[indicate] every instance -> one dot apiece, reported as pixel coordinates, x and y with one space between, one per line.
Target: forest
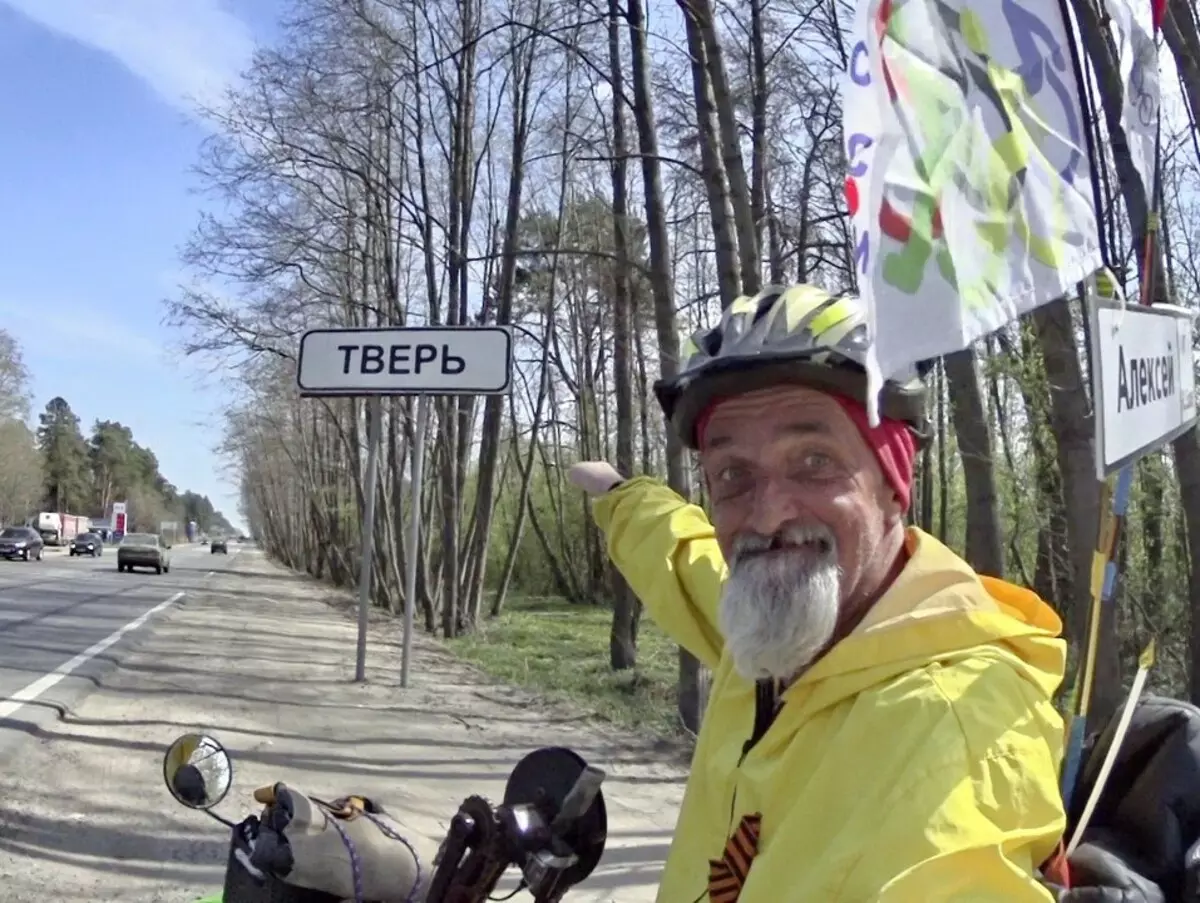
604 177
55 467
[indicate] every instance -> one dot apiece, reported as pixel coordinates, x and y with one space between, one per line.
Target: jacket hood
938 609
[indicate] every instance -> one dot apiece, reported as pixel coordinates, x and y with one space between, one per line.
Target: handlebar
551 825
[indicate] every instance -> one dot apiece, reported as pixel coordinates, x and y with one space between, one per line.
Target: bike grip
580 797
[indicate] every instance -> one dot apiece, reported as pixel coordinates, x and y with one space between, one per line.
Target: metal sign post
387 361
413 550
374 416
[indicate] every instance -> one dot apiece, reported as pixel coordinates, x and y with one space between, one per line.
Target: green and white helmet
799 335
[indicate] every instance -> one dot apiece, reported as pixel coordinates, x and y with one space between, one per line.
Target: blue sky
98 139
99 133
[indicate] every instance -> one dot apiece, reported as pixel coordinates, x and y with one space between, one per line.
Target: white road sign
1144 380
452 360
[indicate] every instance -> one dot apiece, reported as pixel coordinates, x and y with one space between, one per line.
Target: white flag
969 180
1138 59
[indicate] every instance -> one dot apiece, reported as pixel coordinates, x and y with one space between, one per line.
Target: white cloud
187 50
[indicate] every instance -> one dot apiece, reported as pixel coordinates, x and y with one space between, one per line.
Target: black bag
1142 844
243 886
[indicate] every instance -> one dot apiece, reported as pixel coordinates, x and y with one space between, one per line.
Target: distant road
64 620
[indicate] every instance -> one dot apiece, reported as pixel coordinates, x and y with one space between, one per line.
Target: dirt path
260 661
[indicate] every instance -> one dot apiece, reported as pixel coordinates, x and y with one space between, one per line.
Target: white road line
17 701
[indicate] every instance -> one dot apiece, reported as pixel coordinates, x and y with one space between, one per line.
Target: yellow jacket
917 762
180 754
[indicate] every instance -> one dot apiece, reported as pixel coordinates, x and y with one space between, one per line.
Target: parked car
144 550
21 542
218 545
89 544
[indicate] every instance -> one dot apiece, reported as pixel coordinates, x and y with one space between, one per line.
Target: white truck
59 529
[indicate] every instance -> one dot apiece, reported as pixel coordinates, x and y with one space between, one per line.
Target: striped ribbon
727 875
1114 502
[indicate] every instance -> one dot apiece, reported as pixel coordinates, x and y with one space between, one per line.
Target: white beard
779 611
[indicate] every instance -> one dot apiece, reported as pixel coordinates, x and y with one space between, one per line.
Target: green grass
561 651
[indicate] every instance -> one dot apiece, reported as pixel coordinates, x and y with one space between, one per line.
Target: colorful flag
1138 60
970 184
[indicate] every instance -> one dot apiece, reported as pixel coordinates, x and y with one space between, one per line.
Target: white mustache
794 535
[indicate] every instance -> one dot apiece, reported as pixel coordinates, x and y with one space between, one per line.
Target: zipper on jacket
766 707
767 695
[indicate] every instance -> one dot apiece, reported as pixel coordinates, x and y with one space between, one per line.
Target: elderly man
880 726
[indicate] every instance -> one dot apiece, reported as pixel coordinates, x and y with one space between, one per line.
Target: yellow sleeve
974 828
666 550
967 848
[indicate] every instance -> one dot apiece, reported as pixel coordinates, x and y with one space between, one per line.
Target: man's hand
1101 874
594 477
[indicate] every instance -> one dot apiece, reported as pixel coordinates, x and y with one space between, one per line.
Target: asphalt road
63 621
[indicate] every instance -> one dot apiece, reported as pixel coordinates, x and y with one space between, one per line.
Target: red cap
894 446
891 442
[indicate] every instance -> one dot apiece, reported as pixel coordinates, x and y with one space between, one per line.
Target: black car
21 542
87 544
218 545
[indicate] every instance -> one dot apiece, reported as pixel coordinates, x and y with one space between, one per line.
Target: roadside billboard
119 518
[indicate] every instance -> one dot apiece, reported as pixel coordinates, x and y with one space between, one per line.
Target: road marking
17 701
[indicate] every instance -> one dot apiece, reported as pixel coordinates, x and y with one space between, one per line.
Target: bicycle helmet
799 335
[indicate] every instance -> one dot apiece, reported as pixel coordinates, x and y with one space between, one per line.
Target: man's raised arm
665 549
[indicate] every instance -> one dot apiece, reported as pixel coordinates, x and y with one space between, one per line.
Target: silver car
144 550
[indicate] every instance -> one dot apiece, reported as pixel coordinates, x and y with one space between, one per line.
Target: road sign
1144 379
417 360
118 518
459 360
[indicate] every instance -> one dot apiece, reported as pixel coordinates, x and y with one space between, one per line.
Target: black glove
1191 874
1102 873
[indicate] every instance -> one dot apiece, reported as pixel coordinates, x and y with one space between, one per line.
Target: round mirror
197 771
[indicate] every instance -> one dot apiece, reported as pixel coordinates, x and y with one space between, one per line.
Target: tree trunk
626 608
1072 425
984 545
691 690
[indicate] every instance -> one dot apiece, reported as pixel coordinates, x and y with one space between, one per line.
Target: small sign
1144 379
118 518
419 360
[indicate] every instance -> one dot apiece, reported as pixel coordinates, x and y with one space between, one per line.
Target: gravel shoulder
263 659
